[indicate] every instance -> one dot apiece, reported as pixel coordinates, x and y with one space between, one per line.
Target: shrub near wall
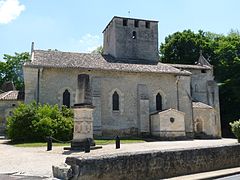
30 122
235 127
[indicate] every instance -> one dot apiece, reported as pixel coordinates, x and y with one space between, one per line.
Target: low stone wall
155 164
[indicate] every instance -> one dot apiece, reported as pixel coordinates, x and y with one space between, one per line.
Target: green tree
11 69
184 47
224 52
98 50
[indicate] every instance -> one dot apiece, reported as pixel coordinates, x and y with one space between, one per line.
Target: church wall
30 82
207 117
126 85
185 102
53 83
199 84
6 107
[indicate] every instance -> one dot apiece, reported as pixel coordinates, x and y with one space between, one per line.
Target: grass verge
97 141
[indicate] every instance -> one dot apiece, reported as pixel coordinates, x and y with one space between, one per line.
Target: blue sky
76 25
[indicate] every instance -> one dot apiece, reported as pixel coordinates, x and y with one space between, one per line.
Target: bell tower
131 40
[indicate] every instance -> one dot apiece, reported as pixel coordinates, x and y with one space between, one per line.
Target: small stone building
8 101
168 124
128 85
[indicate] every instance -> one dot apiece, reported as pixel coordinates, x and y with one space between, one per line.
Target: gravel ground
38 162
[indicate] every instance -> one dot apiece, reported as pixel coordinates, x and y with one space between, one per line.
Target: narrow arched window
158 102
66 98
115 101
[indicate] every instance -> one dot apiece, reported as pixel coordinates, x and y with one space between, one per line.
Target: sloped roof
201 105
188 66
167 110
202 63
202 60
58 59
12 95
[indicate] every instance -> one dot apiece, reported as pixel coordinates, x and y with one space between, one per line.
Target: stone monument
83 114
83 126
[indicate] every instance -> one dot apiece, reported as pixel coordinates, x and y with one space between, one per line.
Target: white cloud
86 43
10 10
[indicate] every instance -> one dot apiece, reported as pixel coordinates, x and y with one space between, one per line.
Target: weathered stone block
62 171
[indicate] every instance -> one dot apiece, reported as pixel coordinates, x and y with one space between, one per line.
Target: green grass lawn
97 141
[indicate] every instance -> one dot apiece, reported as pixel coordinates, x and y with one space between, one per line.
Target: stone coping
121 154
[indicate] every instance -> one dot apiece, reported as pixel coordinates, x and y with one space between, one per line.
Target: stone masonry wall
5 108
155 164
53 83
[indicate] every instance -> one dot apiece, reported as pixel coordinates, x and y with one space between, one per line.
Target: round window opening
172 120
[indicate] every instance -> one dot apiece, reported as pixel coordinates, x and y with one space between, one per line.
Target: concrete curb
209 175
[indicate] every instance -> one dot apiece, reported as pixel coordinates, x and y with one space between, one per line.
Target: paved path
38 161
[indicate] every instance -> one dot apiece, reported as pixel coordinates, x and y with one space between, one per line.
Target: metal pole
117 142
38 86
87 146
49 143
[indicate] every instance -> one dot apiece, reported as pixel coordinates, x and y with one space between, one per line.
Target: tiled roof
201 105
58 59
188 66
202 63
12 95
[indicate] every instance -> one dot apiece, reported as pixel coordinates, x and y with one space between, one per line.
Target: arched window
158 102
115 101
134 35
66 98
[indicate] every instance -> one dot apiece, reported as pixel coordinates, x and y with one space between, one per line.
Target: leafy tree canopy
98 50
11 69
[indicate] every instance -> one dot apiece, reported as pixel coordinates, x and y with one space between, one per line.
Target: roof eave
99 69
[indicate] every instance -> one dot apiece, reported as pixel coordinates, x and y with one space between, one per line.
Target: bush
33 123
235 127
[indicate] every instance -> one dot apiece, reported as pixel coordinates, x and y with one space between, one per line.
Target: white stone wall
30 82
199 84
119 43
169 123
185 101
53 82
6 107
209 120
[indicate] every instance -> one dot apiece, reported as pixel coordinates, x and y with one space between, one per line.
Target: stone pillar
83 92
83 125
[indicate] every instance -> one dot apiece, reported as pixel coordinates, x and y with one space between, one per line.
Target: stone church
133 93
